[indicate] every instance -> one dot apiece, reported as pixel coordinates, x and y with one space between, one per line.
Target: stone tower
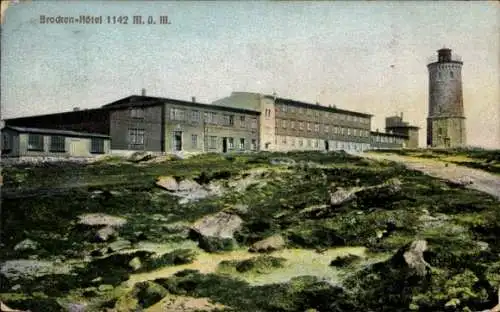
446 119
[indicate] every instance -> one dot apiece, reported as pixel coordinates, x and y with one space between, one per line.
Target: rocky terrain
259 232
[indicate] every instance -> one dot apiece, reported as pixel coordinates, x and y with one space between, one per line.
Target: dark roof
143 101
402 127
57 132
316 106
388 134
74 112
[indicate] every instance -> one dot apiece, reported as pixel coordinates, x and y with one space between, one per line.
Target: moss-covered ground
460 226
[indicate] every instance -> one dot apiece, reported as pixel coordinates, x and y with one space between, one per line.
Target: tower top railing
435 58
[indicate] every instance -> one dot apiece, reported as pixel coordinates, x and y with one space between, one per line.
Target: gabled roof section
57 132
143 101
316 106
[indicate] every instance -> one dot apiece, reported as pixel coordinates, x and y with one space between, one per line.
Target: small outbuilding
21 142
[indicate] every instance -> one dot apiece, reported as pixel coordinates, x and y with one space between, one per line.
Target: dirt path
483 181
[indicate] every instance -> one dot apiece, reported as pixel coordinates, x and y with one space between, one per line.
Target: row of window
228 120
58 144
213 142
384 139
283 123
302 142
316 112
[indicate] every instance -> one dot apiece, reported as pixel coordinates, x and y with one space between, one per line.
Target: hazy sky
364 56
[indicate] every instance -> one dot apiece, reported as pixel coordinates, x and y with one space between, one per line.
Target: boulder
105 233
5 308
188 185
282 161
461 181
93 219
168 182
216 232
135 263
341 196
119 245
26 245
412 256
272 243
142 295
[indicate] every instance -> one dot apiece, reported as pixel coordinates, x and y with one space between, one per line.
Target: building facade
381 140
22 142
287 125
446 119
141 123
396 125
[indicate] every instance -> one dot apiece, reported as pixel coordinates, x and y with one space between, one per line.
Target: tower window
451 74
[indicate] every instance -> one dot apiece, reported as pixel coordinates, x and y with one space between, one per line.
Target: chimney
76 109
401 116
193 99
143 92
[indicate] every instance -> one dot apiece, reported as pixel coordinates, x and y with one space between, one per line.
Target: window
316 144
292 124
212 117
57 144
136 136
283 124
230 143
242 143
254 123
451 74
212 143
195 116
336 130
309 128
284 140
301 142
137 113
97 146
254 144
293 141
177 114
284 108
35 142
194 141
243 123
267 112
316 127
301 125
327 128
309 143
228 120
355 132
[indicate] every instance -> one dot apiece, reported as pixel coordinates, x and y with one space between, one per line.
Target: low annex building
22 142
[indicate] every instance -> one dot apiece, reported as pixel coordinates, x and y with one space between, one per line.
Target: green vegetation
286 194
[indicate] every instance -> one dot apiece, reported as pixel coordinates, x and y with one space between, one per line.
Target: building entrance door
327 147
177 140
224 145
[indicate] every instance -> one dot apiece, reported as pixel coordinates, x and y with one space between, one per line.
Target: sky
364 56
